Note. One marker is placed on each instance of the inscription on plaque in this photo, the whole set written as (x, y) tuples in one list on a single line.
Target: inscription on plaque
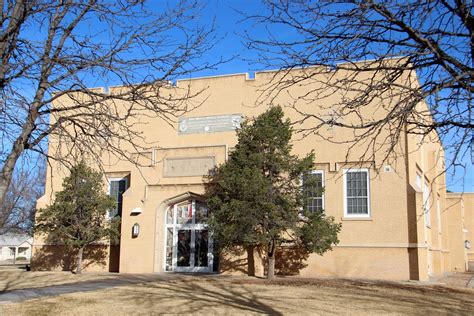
[(188, 167), (209, 124)]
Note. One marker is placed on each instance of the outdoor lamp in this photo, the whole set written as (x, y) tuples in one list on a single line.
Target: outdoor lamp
[(135, 230)]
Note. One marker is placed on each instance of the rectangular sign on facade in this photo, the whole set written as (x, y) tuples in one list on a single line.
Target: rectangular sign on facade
[(188, 166), (209, 124)]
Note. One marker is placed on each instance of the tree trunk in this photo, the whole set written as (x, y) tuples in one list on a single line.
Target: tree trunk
[(271, 260), (271, 266), (79, 260), (250, 261), (6, 176)]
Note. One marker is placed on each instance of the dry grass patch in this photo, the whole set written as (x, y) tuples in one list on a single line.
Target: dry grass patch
[(255, 296)]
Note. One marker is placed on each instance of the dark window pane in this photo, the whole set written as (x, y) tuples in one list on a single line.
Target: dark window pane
[(117, 188), (184, 248), (201, 248)]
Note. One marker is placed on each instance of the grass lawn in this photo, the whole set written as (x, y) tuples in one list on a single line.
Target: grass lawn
[(231, 295)]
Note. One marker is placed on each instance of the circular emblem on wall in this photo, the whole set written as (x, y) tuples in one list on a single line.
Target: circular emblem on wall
[(236, 121), (183, 126)]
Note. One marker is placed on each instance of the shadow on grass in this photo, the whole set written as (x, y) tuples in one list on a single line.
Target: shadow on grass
[(199, 296), (176, 287), (385, 296), (175, 293), (195, 296)]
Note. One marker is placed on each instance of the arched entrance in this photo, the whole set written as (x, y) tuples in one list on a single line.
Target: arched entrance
[(188, 246)]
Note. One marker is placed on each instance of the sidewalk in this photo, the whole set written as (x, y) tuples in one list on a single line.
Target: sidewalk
[(470, 284), (15, 296), (460, 279)]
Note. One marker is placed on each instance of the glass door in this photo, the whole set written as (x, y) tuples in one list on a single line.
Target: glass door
[(188, 246), (201, 248), (183, 248)]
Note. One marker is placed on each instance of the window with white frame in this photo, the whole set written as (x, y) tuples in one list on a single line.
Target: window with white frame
[(116, 189), (22, 251), (356, 193), (313, 191)]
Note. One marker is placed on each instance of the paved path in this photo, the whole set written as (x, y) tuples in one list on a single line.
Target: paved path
[(470, 284), (460, 279), (15, 296)]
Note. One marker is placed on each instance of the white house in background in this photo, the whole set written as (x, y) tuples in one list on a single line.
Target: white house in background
[(15, 246)]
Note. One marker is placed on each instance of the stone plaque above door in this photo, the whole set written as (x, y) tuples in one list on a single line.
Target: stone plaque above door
[(188, 166)]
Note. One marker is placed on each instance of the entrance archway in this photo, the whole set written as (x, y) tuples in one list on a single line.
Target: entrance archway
[(188, 246)]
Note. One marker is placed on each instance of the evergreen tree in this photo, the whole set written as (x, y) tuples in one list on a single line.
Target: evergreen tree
[(255, 198), (77, 218)]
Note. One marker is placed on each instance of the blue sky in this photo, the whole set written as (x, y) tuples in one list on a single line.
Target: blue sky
[(229, 25)]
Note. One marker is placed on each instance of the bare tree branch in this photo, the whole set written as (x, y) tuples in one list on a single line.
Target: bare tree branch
[(52, 51), (411, 60)]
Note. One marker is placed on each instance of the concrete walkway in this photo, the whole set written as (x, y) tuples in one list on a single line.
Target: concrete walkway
[(15, 296), (460, 279), (470, 284)]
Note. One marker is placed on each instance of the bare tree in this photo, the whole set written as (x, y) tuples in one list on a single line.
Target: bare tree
[(49, 48), (326, 40), (18, 210)]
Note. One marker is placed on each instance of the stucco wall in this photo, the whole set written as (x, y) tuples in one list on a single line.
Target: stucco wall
[(392, 243), (460, 211)]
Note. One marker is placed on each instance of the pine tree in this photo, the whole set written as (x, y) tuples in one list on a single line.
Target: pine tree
[(255, 198), (77, 217)]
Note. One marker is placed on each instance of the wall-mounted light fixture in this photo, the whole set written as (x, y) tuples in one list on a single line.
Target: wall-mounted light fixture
[(135, 230), (136, 211)]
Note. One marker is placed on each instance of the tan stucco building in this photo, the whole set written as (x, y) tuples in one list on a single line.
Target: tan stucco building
[(461, 214), (397, 220)]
